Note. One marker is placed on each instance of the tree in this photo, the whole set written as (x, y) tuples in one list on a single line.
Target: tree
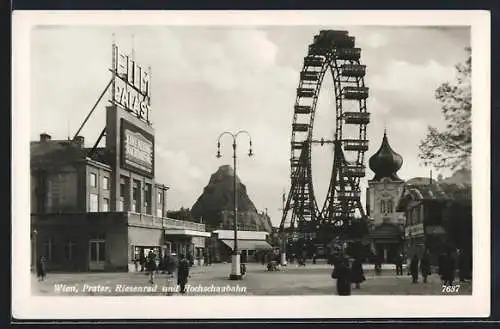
[(452, 147)]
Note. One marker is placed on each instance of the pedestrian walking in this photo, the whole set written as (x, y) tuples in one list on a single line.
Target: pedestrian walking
[(182, 273), (398, 262), (357, 273), (425, 266), (151, 266), (414, 268), (341, 272), (41, 271), (448, 269), (378, 264)]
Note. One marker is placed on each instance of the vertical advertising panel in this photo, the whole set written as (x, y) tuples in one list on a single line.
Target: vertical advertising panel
[(137, 149)]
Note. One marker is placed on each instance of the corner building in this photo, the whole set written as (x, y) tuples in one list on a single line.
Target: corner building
[(100, 209)]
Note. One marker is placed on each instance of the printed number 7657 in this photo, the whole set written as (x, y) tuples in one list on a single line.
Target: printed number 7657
[(450, 289)]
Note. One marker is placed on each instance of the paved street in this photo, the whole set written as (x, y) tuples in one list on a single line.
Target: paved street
[(293, 280)]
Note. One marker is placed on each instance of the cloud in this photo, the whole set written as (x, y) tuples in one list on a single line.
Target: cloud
[(376, 40), (404, 77)]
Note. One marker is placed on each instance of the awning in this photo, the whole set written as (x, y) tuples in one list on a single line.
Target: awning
[(248, 244)]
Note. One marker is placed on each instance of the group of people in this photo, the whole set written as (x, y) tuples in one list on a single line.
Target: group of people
[(347, 272), (170, 263), (447, 267)]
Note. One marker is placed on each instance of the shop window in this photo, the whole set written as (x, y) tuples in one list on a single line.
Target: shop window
[(105, 204), (105, 183), (93, 180), (94, 203), (69, 248)]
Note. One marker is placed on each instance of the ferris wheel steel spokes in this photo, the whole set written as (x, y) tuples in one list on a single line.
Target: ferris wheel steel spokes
[(332, 52)]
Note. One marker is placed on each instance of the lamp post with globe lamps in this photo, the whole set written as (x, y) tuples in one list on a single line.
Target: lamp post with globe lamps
[(235, 259)]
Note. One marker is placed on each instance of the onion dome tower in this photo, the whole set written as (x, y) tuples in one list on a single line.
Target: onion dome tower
[(386, 163)]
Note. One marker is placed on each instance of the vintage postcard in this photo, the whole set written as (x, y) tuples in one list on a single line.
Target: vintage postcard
[(187, 165)]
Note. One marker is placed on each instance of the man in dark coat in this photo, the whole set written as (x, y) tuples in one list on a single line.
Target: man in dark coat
[(447, 269), (342, 273), (357, 274), (151, 266), (425, 266), (398, 261), (182, 273), (40, 269), (414, 268)]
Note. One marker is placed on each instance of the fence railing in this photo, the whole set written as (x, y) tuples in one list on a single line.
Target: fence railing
[(166, 223)]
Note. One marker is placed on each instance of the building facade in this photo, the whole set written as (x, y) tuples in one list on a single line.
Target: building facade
[(382, 196), (100, 208), (438, 218)]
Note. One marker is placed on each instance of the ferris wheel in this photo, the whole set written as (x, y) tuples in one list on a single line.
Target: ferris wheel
[(332, 53)]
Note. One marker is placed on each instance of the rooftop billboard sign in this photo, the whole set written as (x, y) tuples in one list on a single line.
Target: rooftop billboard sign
[(131, 85)]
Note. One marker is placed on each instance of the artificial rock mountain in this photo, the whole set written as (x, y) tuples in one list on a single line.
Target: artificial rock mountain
[(215, 205)]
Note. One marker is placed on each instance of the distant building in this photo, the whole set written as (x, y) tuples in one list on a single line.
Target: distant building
[(382, 196), (250, 244)]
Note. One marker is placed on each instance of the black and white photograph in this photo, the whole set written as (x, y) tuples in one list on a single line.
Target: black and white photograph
[(223, 162)]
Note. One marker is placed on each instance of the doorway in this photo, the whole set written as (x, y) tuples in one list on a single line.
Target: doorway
[(97, 254)]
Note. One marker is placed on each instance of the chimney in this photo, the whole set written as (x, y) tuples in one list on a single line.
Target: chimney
[(44, 137), (79, 140)]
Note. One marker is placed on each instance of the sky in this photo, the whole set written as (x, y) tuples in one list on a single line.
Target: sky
[(207, 80)]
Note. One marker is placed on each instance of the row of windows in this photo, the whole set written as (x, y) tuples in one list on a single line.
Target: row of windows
[(105, 181), (49, 246), (123, 202)]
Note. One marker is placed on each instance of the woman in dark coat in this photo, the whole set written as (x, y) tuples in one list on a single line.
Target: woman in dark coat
[(182, 273), (40, 269), (414, 268), (357, 274), (425, 266), (342, 273)]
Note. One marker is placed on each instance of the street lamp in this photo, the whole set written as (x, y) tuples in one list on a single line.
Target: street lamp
[(235, 259)]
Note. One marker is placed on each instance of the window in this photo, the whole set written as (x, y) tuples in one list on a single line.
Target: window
[(382, 206), (120, 204), (105, 183), (105, 204), (94, 203), (48, 247), (136, 196), (93, 180), (124, 194), (159, 197), (68, 250), (148, 196), (158, 213), (389, 206)]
